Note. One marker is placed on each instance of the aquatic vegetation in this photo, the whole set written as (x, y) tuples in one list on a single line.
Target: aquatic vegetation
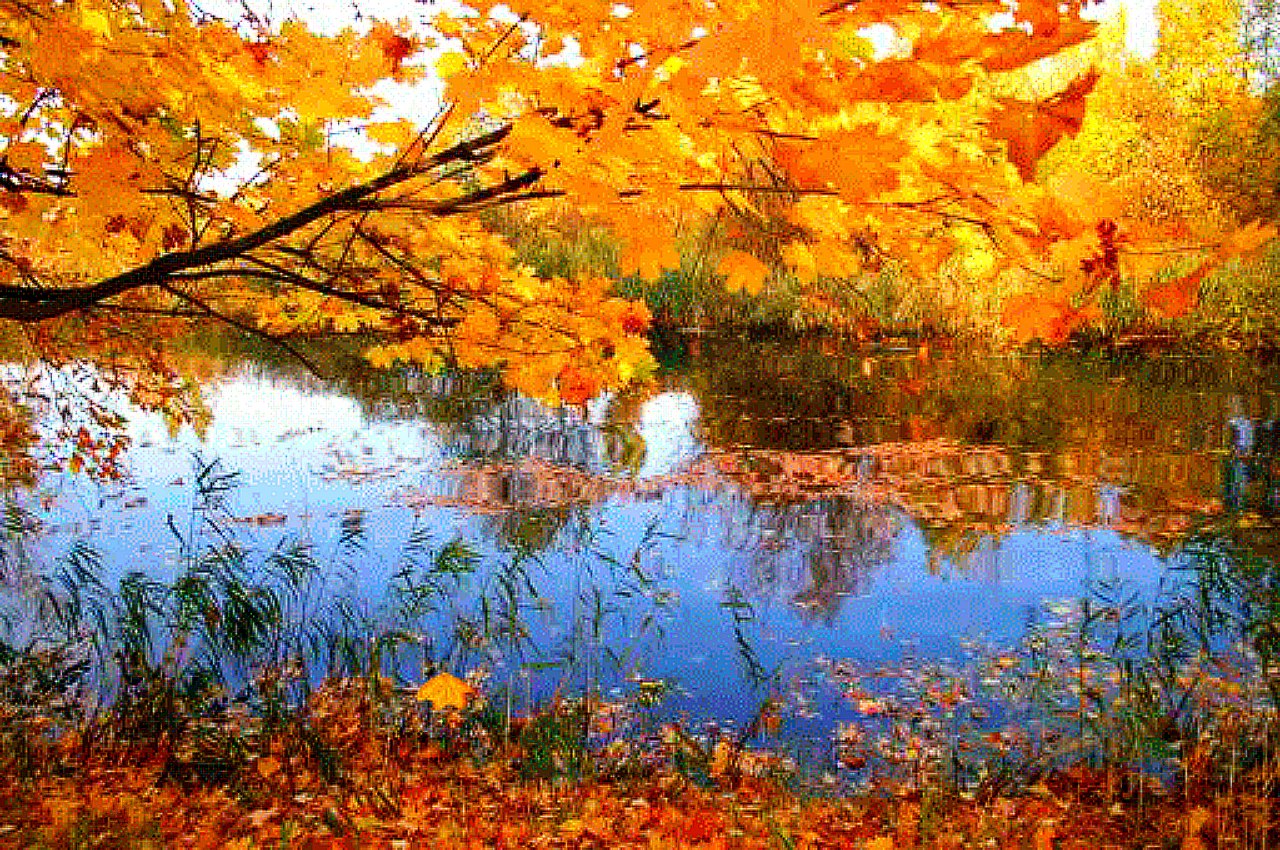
[(599, 638)]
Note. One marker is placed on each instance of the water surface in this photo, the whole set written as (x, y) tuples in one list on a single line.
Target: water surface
[(790, 506)]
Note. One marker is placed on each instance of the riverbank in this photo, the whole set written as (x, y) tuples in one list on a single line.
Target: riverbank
[(423, 798)]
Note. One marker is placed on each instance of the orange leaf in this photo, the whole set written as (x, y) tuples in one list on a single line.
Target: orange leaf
[(268, 766), (1005, 50), (1012, 49), (1043, 838), (636, 318), (1032, 128), (903, 80), (1049, 318), (394, 46), (1175, 298), (576, 386), (1197, 819), (445, 690), (859, 163), (648, 257), (743, 272)]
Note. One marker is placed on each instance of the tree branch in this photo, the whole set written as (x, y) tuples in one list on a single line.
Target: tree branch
[(26, 304), (243, 326)]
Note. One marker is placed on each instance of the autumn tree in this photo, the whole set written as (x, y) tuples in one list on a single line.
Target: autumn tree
[(157, 162), (1173, 151)]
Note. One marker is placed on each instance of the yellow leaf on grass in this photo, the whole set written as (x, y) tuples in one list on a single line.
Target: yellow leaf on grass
[(445, 690)]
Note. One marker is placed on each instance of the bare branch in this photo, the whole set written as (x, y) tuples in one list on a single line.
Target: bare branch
[(243, 326)]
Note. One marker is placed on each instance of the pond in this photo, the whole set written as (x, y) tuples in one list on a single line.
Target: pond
[(836, 529)]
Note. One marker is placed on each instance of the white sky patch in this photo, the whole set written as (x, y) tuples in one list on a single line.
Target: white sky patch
[(886, 42), (238, 406), (1142, 28), (667, 425)]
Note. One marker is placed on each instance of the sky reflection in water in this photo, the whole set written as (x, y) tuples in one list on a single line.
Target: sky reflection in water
[(844, 549)]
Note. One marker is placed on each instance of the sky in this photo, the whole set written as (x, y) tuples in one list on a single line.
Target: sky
[(1141, 30)]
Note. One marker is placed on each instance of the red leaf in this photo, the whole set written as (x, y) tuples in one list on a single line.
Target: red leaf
[(576, 386), (1032, 128)]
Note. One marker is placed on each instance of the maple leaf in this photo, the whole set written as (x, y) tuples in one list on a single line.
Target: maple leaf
[(1032, 128), (395, 47), (648, 256), (576, 386), (904, 81), (1048, 318), (1177, 296), (743, 272), (859, 163), (1012, 49), (445, 690)]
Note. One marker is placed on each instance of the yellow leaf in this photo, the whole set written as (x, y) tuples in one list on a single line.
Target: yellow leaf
[(450, 64), (882, 842), (382, 356), (445, 690), (669, 68), (800, 258), (536, 141), (648, 257), (743, 271), (95, 22), (978, 263), (824, 215)]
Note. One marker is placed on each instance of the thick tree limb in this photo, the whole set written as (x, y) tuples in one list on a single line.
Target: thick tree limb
[(29, 304)]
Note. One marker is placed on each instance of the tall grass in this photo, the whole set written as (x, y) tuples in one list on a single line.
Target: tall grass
[(246, 651), (693, 295), (1177, 690)]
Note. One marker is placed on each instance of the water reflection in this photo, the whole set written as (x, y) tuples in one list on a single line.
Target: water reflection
[(865, 504), (840, 541)]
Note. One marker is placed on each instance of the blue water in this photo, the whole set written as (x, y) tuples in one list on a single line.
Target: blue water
[(822, 570)]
